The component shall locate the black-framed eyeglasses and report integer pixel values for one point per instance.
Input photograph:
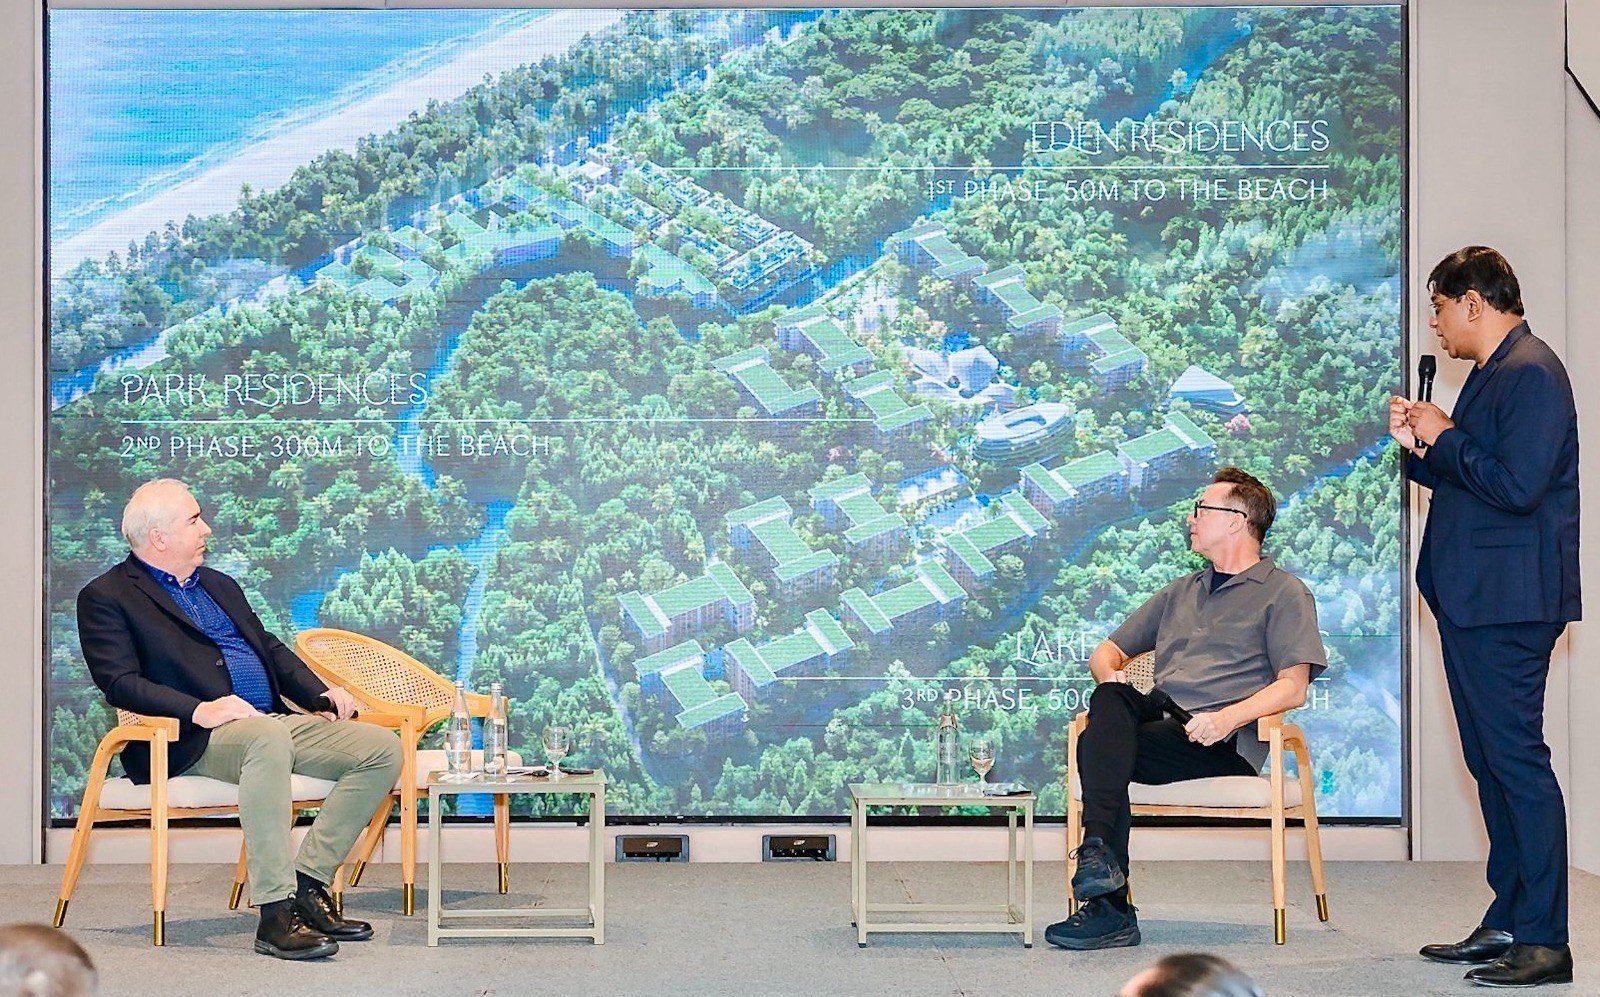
(1216, 508)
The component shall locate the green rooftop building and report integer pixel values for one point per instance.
(1096, 341)
(1016, 524)
(892, 415)
(848, 505)
(818, 643)
(928, 245)
(676, 679)
(797, 569)
(1064, 490)
(675, 613)
(931, 596)
(752, 370)
(1007, 290)
(812, 330)
(1178, 446)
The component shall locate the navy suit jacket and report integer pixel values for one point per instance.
(147, 656)
(1501, 544)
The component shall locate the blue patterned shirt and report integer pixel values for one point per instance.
(250, 682)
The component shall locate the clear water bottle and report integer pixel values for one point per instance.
(458, 738)
(494, 733)
(947, 747)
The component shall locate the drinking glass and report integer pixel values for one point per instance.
(557, 742)
(458, 754)
(982, 753)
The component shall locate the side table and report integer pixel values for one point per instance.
(592, 786)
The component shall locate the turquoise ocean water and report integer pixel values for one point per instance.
(139, 100)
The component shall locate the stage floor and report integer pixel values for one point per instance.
(743, 929)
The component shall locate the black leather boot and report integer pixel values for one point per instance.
(1483, 945)
(1526, 966)
(317, 909)
(284, 934)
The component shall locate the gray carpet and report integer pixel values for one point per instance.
(718, 929)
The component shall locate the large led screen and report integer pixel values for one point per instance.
(736, 386)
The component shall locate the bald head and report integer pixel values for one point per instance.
(162, 525)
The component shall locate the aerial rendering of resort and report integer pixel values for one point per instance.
(744, 386)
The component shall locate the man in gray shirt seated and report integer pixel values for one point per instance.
(1234, 643)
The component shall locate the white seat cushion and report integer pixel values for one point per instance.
(431, 760)
(1230, 791)
(200, 791)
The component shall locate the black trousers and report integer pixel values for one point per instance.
(1129, 740)
(1497, 680)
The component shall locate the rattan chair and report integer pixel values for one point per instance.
(396, 684)
(1272, 797)
(165, 797)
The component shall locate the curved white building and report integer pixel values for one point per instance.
(1024, 435)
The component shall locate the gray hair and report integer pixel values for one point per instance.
(145, 512)
(40, 961)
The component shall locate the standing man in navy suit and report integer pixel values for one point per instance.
(1499, 569)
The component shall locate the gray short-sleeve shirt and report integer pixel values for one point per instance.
(1214, 649)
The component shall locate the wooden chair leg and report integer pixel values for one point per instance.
(502, 838)
(1280, 911)
(408, 843)
(80, 836)
(240, 874)
(336, 890)
(1308, 804)
(1074, 839)
(1280, 902)
(1074, 825)
(158, 841)
(372, 839)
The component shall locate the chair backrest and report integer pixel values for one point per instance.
(126, 718)
(380, 671)
(1140, 671)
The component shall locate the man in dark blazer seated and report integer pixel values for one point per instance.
(167, 637)
(1499, 569)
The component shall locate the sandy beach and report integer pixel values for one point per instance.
(269, 164)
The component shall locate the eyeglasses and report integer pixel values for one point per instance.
(1438, 302)
(1215, 508)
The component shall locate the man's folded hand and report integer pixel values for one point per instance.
(345, 704)
(217, 712)
(1208, 728)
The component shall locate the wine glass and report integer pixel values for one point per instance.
(981, 750)
(557, 742)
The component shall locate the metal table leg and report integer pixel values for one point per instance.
(1011, 858)
(858, 835)
(435, 867)
(1027, 877)
(597, 864)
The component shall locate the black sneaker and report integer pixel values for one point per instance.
(1098, 871)
(1098, 924)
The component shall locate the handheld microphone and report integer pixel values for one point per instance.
(1427, 366)
(1165, 703)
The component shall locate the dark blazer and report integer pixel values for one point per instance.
(147, 656)
(1501, 544)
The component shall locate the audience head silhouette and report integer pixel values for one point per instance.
(1192, 974)
(40, 961)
